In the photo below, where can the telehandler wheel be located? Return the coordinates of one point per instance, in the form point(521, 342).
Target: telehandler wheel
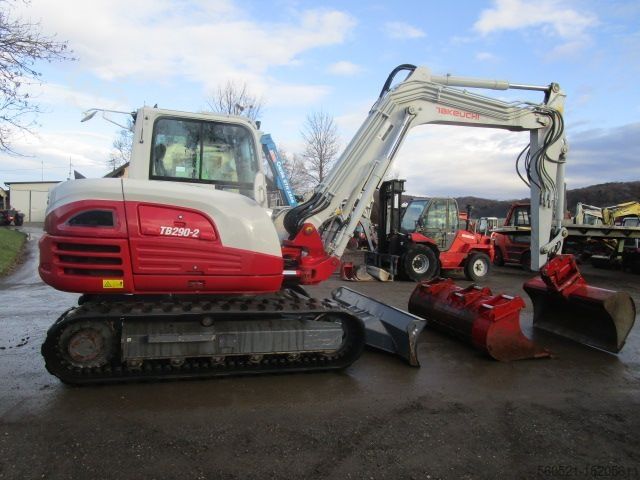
point(477, 267)
point(420, 263)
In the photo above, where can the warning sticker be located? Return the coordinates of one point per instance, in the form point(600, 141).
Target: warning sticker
point(113, 283)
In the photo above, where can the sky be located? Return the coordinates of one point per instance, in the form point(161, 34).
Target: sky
point(302, 57)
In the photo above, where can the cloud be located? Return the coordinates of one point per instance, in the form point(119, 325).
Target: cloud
point(454, 161)
point(402, 30)
point(344, 68)
point(202, 42)
point(486, 57)
point(604, 155)
point(55, 94)
point(52, 153)
point(550, 16)
point(291, 95)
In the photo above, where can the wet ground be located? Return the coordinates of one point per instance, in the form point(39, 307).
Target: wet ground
point(461, 415)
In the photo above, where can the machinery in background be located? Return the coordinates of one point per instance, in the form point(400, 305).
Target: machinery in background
point(587, 214)
point(184, 274)
point(419, 241)
point(283, 194)
point(621, 252)
point(615, 247)
point(9, 216)
point(485, 225)
point(514, 246)
point(616, 214)
point(631, 249)
point(601, 235)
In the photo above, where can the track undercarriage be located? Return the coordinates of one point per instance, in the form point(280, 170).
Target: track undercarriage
point(133, 338)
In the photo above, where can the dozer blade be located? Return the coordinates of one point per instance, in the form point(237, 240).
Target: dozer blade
point(564, 304)
point(490, 323)
point(386, 328)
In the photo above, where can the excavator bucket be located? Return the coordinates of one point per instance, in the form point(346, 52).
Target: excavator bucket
point(564, 304)
point(387, 328)
point(491, 323)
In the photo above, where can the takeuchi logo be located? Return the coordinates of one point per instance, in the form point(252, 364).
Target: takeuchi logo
point(452, 112)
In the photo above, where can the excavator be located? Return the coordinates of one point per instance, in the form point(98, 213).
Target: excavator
point(184, 274)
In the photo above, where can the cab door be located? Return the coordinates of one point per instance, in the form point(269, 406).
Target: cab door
point(434, 222)
point(452, 225)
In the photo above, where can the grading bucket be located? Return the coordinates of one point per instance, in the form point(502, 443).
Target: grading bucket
point(491, 323)
point(386, 328)
point(564, 304)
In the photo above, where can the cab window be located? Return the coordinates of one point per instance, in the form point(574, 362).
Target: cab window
point(453, 216)
point(522, 218)
point(437, 215)
point(205, 152)
point(411, 216)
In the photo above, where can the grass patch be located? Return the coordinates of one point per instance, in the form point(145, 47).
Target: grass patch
point(11, 242)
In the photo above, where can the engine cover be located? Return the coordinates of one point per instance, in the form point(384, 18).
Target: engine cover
point(132, 236)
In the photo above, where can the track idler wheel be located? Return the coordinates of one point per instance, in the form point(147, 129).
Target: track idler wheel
point(490, 323)
point(565, 305)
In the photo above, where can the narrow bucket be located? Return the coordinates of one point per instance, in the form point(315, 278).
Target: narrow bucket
point(386, 328)
point(491, 323)
point(565, 305)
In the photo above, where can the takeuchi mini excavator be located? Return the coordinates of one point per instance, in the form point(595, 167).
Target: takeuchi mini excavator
point(185, 274)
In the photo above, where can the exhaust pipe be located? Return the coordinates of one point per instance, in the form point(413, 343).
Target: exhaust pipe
point(491, 323)
point(565, 305)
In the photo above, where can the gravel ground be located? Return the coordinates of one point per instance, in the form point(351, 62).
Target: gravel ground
point(461, 415)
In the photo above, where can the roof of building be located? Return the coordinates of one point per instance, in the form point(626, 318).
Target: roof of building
point(117, 172)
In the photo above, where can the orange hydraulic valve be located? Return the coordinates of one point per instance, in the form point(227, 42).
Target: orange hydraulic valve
point(564, 304)
point(491, 323)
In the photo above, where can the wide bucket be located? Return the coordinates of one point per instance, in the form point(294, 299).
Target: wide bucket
point(386, 328)
point(565, 305)
point(491, 323)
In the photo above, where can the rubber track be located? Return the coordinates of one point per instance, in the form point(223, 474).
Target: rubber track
point(283, 305)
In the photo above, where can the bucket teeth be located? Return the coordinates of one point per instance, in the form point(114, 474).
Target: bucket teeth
point(490, 323)
point(564, 304)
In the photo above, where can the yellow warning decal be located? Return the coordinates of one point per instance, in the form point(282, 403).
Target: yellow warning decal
point(113, 283)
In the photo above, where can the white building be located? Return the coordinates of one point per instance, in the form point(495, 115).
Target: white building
point(30, 198)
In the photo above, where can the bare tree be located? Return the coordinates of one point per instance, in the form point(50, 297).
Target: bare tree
point(22, 44)
point(294, 167)
point(235, 99)
point(122, 146)
point(321, 145)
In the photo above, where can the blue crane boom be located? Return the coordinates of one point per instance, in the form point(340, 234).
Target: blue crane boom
point(275, 162)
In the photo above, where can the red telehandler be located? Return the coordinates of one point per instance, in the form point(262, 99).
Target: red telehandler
point(426, 237)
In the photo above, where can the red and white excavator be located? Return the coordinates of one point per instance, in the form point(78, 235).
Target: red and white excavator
point(185, 274)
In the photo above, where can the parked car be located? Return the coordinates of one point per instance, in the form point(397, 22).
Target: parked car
point(7, 217)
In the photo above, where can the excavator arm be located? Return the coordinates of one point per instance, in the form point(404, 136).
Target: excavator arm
point(422, 98)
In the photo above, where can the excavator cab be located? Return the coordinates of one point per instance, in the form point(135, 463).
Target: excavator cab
point(204, 152)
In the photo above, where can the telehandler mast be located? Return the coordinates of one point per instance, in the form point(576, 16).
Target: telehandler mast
point(184, 280)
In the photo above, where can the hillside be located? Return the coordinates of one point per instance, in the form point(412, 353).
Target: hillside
point(600, 195)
